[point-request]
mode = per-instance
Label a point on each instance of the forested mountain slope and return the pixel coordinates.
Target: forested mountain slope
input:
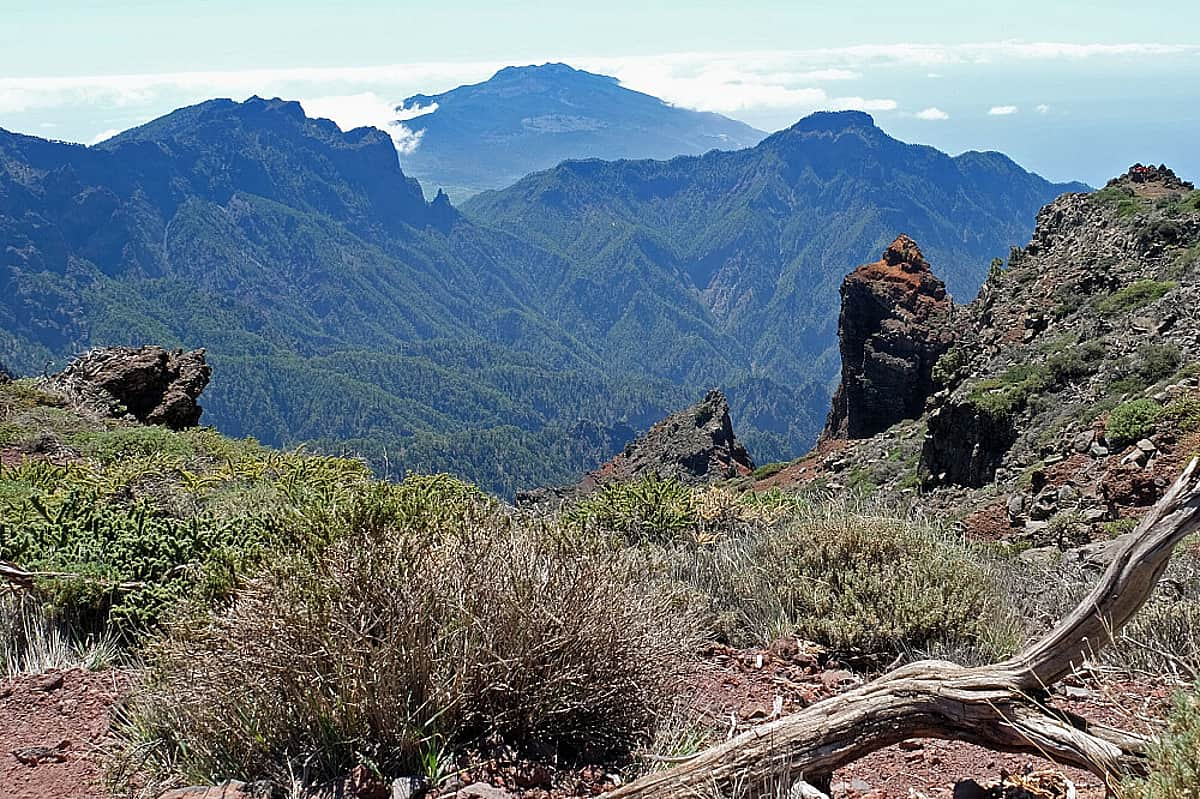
(339, 306)
(336, 303)
(753, 244)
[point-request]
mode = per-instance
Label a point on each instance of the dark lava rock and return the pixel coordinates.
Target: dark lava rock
(1161, 174)
(151, 384)
(889, 339)
(964, 445)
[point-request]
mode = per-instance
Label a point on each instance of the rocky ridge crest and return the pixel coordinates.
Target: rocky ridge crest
(696, 446)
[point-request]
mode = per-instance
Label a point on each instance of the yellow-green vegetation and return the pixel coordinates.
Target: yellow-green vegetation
(949, 364)
(1008, 394)
(434, 617)
(124, 521)
(768, 470)
(1131, 421)
(1075, 361)
(1174, 758)
(1121, 198)
(1183, 413)
(1136, 295)
(863, 583)
(662, 511)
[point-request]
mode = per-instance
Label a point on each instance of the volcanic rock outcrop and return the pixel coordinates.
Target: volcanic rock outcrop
(695, 446)
(151, 384)
(890, 338)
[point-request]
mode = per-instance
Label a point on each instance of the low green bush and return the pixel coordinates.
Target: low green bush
(1136, 295)
(1155, 362)
(1123, 199)
(1183, 413)
(1131, 421)
(948, 365)
(1075, 362)
(108, 446)
(768, 470)
(1008, 394)
(646, 509)
(862, 584)
(1174, 759)
(397, 637)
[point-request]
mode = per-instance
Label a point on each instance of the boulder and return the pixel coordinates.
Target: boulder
(150, 384)
(890, 338)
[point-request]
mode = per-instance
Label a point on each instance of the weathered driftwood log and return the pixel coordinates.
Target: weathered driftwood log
(1001, 706)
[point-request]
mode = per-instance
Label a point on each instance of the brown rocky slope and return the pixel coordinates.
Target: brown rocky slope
(1071, 391)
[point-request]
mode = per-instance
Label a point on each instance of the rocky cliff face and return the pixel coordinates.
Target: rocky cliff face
(891, 333)
(151, 384)
(696, 446)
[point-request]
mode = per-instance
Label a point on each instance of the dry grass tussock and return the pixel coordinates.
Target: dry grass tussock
(404, 639)
(33, 641)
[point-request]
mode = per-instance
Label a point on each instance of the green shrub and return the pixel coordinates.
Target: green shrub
(1175, 758)
(108, 446)
(1183, 413)
(768, 470)
(1155, 362)
(1010, 393)
(137, 530)
(946, 370)
(1131, 421)
(122, 564)
(647, 509)
(1121, 198)
(864, 585)
(1075, 362)
(1134, 296)
(394, 637)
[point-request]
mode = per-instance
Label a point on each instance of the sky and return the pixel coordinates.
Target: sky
(1070, 90)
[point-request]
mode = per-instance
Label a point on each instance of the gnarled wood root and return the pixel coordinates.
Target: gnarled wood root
(1000, 706)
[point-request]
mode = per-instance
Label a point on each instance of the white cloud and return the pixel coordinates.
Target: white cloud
(731, 82)
(1002, 110)
(861, 104)
(368, 109)
(932, 113)
(103, 135)
(1042, 108)
(791, 81)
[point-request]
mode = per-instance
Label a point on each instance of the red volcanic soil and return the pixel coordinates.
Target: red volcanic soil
(52, 728)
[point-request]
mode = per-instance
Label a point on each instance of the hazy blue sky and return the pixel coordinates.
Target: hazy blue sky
(1070, 90)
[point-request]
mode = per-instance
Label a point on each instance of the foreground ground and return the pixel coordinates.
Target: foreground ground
(54, 726)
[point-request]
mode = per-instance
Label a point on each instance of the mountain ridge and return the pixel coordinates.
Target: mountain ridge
(751, 245)
(339, 306)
